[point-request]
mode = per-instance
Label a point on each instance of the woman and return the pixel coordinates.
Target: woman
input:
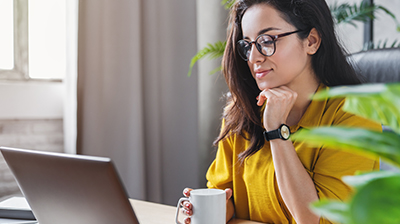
(278, 53)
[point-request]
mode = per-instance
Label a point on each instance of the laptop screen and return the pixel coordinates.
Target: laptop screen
(63, 188)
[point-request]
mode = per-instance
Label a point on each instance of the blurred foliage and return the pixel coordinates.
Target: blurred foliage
(227, 3)
(211, 51)
(363, 12)
(376, 198)
(380, 45)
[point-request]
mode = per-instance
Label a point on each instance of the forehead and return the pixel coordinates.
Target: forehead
(262, 16)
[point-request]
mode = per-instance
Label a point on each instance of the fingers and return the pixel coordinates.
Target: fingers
(228, 193)
(282, 91)
(277, 94)
(186, 205)
(187, 220)
(285, 92)
(186, 192)
(187, 209)
(261, 98)
(278, 104)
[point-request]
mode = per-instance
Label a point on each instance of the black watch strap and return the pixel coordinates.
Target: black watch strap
(270, 135)
(283, 132)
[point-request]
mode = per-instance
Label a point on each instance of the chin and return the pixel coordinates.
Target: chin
(263, 86)
(269, 85)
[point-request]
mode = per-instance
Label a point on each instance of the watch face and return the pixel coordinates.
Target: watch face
(285, 132)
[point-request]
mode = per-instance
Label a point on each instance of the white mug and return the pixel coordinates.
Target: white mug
(209, 206)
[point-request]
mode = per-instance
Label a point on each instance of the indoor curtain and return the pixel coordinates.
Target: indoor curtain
(110, 115)
(136, 104)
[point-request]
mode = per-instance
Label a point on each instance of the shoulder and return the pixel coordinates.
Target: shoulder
(233, 141)
(334, 109)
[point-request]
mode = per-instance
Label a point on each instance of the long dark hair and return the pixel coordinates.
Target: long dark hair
(242, 115)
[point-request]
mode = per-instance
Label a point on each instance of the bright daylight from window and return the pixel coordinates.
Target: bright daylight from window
(47, 39)
(7, 36)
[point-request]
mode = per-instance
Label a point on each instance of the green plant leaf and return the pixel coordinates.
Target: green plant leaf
(332, 210)
(393, 93)
(216, 70)
(211, 51)
(377, 202)
(375, 108)
(358, 181)
(227, 3)
(343, 91)
(379, 102)
(346, 13)
(380, 45)
(391, 15)
(385, 145)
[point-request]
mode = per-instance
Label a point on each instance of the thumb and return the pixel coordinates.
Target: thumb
(228, 193)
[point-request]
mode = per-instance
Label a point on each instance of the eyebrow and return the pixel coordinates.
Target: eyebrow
(262, 31)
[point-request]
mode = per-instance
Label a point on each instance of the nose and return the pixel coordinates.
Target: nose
(254, 55)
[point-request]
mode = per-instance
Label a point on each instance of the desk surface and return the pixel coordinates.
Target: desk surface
(147, 213)
(153, 213)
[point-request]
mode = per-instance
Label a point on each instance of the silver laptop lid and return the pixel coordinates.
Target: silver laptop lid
(64, 189)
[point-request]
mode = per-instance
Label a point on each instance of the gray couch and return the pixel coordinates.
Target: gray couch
(378, 66)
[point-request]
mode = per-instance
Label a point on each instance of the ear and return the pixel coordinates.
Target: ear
(313, 42)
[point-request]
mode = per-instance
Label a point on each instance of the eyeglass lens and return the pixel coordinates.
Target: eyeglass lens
(265, 44)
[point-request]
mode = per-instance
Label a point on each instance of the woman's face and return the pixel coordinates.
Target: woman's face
(290, 64)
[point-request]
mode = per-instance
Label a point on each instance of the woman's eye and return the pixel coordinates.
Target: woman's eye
(266, 42)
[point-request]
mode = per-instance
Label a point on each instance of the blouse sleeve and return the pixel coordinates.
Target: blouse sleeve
(219, 174)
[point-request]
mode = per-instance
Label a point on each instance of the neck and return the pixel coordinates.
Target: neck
(303, 100)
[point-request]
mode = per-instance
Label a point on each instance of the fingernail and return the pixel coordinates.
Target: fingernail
(187, 220)
(258, 97)
(188, 212)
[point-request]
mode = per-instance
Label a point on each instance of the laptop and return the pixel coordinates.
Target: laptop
(63, 188)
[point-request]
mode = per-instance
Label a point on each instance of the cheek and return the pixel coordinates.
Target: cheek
(291, 58)
(251, 68)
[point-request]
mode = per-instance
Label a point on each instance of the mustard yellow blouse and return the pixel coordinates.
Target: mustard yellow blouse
(255, 190)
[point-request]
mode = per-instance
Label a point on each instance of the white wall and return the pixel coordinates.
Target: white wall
(351, 37)
(384, 25)
(31, 117)
(31, 100)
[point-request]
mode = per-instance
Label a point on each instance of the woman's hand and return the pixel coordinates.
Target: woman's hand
(279, 103)
(187, 206)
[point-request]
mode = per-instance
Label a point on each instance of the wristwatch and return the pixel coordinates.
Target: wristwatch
(283, 132)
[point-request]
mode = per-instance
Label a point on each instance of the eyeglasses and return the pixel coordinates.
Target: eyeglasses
(265, 44)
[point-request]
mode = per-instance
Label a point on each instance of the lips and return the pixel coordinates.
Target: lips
(262, 73)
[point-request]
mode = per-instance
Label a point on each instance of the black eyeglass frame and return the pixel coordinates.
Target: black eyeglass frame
(258, 46)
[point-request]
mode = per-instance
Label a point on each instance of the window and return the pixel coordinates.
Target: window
(33, 40)
(6, 40)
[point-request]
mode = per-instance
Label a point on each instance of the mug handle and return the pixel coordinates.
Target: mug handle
(178, 206)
